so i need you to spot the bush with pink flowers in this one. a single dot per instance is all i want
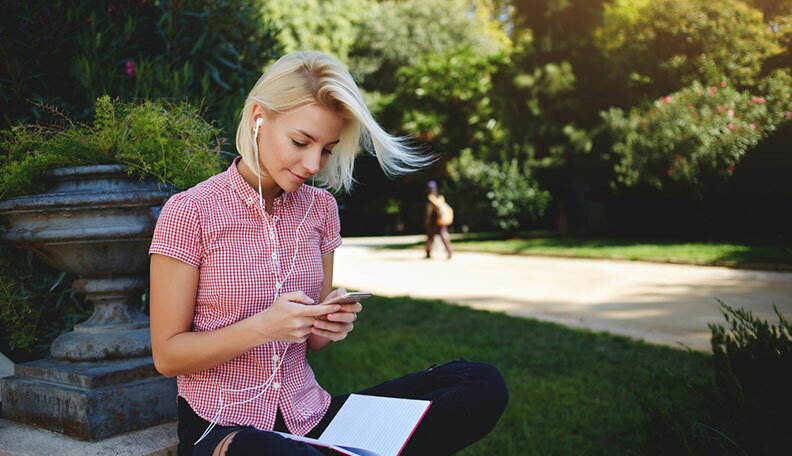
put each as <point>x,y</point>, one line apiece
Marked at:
<point>695,132</point>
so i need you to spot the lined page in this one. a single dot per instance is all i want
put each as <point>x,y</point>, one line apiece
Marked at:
<point>378,424</point>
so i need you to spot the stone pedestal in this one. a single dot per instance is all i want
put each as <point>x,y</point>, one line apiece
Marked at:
<point>89,400</point>
<point>100,380</point>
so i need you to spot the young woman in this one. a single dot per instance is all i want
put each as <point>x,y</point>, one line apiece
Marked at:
<point>239,261</point>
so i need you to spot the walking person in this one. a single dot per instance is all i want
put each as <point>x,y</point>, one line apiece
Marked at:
<point>239,262</point>
<point>438,216</point>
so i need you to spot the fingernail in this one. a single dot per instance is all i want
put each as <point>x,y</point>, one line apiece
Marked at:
<point>310,301</point>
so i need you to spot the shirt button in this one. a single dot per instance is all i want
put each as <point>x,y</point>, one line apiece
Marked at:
<point>275,358</point>
<point>278,286</point>
<point>274,256</point>
<point>275,218</point>
<point>276,386</point>
<point>272,236</point>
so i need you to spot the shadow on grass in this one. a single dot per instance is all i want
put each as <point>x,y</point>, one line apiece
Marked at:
<point>571,391</point>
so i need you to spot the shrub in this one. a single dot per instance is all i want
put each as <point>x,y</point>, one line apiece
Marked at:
<point>68,53</point>
<point>169,142</point>
<point>695,132</point>
<point>504,193</point>
<point>753,366</point>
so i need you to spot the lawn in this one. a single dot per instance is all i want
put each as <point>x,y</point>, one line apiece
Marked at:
<point>571,391</point>
<point>763,253</point>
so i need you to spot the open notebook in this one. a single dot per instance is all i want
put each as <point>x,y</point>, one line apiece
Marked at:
<point>371,426</point>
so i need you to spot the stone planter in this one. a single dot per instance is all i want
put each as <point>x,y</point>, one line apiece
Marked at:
<point>100,379</point>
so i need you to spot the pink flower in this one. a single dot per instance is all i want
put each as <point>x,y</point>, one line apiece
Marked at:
<point>712,90</point>
<point>130,68</point>
<point>89,20</point>
<point>731,169</point>
<point>758,100</point>
<point>730,112</point>
<point>667,99</point>
<point>723,84</point>
<point>678,157</point>
<point>719,108</point>
<point>753,125</point>
<point>730,126</point>
<point>789,114</point>
<point>111,9</point>
<point>725,105</point>
<point>669,172</point>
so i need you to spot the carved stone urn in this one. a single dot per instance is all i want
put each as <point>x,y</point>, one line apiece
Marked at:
<point>95,221</point>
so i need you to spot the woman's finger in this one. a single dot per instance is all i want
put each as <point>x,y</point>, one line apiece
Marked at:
<point>332,326</point>
<point>332,335</point>
<point>347,317</point>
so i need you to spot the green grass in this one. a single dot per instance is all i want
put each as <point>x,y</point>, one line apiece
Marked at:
<point>746,253</point>
<point>571,391</point>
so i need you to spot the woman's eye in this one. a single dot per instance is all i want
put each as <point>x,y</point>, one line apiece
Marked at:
<point>299,144</point>
<point>327,151</point>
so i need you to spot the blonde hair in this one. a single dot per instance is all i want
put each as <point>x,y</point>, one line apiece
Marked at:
<point>314,78</point>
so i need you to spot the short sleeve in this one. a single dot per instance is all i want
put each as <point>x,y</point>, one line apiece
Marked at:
<point>331,236</point>
<point>178,231</point>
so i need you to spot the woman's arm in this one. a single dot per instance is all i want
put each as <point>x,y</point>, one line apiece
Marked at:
<point>177,350</point>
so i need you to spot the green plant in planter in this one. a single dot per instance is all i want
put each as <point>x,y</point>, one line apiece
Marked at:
<point>165,141</point>
<point>168,142</point>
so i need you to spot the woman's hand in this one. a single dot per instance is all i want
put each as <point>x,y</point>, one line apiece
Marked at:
<point>335,326</point>
<point>290,318</point>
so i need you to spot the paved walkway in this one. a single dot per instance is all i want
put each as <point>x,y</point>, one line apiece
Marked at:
<point>660,303</point>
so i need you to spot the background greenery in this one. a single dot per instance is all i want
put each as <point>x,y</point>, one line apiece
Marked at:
<point>630,116</point>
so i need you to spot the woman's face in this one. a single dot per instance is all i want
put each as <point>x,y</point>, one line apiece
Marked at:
<point>295,145</point>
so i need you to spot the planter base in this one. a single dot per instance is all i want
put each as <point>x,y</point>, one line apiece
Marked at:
<point>89,400</point>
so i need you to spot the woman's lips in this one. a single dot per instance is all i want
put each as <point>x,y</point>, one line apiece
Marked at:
<point>297,177</point>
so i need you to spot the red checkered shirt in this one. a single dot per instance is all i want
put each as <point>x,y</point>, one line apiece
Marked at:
<point>243,256</point>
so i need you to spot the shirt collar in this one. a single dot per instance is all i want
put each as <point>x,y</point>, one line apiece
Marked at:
<point>245,191</point>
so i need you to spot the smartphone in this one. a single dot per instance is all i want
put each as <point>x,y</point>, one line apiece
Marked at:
<point>348,298</point>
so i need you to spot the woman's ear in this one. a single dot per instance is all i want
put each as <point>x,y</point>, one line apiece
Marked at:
<point>257,117</point>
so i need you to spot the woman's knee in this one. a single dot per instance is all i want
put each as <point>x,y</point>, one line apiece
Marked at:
<point>488,386</point>
<point>222,447</point>
<point>254,442</point>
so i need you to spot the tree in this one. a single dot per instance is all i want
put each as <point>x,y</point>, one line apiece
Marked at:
<point>664,45</point>
<point>329,26</point>
<point>399,33</point>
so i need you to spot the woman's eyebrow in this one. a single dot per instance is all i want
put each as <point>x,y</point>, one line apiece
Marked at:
<point>312,138</point>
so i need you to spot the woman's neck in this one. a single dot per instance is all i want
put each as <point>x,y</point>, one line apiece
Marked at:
<point>269,189</point>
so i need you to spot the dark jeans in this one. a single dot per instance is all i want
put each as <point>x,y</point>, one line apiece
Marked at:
<point>467,398</point>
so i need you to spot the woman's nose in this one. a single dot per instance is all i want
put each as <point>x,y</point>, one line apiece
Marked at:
<point>312,162</point>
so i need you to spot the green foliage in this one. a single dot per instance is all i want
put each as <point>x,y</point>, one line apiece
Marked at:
<point>37,304</point>
<point>447,100</point>
<point>695,132</point>
<point>753,366</point>
<point>396,33</point>
<point>329,26</point>
<point>169,142</point>
<point>68,53</point>
<point>671,43</point>
<point>505,193</point>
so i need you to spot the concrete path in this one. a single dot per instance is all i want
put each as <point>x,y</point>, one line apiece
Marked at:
<point>660,303</point>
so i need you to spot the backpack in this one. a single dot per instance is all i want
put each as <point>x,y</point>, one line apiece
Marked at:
<point>445,211</point>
